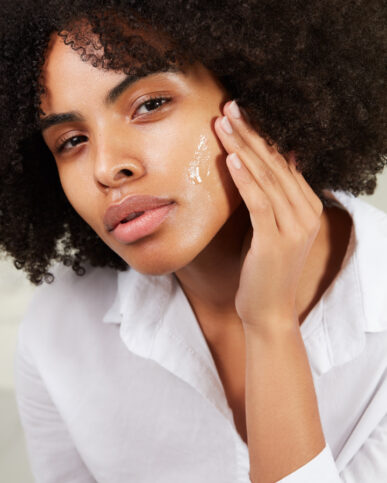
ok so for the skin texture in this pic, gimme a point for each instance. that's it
(230, 232)
(121, 136)
(309, 76)
(281, 409)
(205, 237)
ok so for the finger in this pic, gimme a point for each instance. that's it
(270, 155)
(260, 208)
(315, 201)
(283, 211)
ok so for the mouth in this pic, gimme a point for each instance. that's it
(140, 224)
(136, 216)
(130, 208)
(132, 216)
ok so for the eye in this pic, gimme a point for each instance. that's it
(69, 143)
(152, 104)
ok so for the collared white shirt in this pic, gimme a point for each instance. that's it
(115, 382)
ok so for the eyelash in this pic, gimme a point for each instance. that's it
(63, 143)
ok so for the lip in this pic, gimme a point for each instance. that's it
(144, 225)
(135, 203)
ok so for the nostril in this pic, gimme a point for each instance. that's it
(127, 172)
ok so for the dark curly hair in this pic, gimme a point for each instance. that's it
(310, 75)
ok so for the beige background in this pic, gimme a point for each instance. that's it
(15, 293)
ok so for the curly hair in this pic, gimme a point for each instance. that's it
(310, 75)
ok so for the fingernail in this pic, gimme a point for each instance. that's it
(234, 110)
(235, 161)
(226, 125)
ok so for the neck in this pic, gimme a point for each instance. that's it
(211, 280)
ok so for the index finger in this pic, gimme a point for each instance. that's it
(302, 199)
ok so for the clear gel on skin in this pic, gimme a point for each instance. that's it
(200, 161)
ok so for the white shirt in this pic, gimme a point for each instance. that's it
(115, 381)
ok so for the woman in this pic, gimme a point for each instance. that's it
(197, 164)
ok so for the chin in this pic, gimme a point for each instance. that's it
(156, 261)
(164, 252)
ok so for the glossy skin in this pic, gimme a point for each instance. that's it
(223, 251)
(172, 151)
(177, 151)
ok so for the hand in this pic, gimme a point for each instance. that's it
(285, 215)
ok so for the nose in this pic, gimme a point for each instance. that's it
(114, 164)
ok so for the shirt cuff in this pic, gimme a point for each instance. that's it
(321, 469)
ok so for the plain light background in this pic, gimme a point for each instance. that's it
(15, 293)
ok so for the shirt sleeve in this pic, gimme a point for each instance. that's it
(368, 465)
(51, 452)
(320, 469)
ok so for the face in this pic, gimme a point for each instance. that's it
(151, 137)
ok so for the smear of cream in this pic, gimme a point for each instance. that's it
(200, 162)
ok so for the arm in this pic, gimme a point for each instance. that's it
(286, 443)
(52, 454)
(282, 417)
(283, 422)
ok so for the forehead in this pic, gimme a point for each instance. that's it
(123, 47)
(76, 57)
(64, 72)
(75, 63)
(69, 78)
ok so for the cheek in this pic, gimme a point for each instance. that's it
(75, 181)
(206, 186)
(199, 166)
(206, 173)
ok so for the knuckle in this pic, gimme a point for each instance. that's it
(314, 225)
(298, 236)
(261, 204)
(320, 207)
(248, 130)
(266, 176)
(281, 162)
(238, 145)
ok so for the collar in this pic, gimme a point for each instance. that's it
(335, 330)
(367, 253)
(158, 323)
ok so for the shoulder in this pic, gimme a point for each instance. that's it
(363, 212)
(371, 222)
(369, 233)
(71, 292)
(370, 239)
(60, 308)
(370, 254)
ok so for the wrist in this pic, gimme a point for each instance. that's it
(272, 328)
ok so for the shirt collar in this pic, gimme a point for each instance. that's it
(335, 330)
(157, 321)
(367, 253)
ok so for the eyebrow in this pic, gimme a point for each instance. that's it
(129, 80)
(112, 96)
(54, 119)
